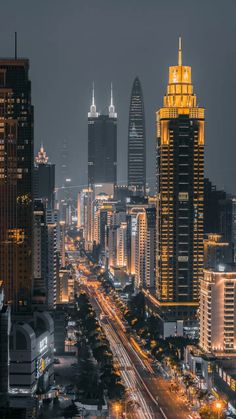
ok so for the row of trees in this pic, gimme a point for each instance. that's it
(98, 374)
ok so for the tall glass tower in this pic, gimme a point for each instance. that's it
(102, 145)
(16, 172)
(180, 198)
(136, 141)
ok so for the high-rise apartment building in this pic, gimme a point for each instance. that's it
(102, 146)
(16, 167)
(218, 310)
(180, 195)
(145, 246)
(40, 255)
(136, 141)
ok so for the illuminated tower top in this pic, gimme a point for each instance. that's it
(42, 157)
(180, 89)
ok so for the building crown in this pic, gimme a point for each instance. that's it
(180, 89)
(93, 112)
(112, 113)
(42, 157)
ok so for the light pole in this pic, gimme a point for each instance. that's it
(218, 406)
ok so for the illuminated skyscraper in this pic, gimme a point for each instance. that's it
(180, 197)
(16, 167)
(102, 146)
(136, 141)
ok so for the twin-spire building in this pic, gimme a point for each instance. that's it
(102, 147)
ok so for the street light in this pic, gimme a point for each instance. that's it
(218, 407)
(117, 409)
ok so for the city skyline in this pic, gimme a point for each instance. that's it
(117, 239)
(151, 70)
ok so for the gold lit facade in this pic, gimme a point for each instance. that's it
(180, 186)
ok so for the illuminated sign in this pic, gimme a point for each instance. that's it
(43, 344)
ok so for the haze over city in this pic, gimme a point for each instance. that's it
(74, 43)
(117, 209)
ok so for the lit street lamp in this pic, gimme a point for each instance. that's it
(218, 407)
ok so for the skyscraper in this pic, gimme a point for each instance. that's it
(102, 145)
(16, 167)
(44, 179)
(180, 197)
(136, 141)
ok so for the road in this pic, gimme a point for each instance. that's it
(148, 391)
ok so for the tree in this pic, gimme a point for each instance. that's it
(70, 411)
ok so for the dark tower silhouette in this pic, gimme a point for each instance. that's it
(102, 145)
(136, 141)
(16, 169)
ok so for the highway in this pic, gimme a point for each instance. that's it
(148, 391)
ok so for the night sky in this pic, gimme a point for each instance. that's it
(70, 43)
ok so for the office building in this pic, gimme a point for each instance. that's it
(102, 147)
(136, 141)
(44, 179)
(88, 217)
(16, 166)
(217, 251)
(180, 195)
(51, 263)
(39, 297)
(117, 245)
(145, 248)
(218, 310)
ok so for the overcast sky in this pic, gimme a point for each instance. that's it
(70, 43)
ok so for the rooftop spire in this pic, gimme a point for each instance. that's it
(93, 112)
(112, 113)
(93, 98)
(42, 157)
(180, 52)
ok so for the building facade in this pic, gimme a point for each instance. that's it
(102, 146)
(180, 195)
(44, 179)
(217, 251)
(218, 311)
(136, 141)
(16, 167)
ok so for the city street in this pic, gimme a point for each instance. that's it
(151, 393)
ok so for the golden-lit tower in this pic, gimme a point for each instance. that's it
(180, 178)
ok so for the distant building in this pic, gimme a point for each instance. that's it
(40, 255)
(117, 245)
(136, 141)
(16, 165)
(217, 252)
(218, 310)
(88, 217)
(102, 146)
(51, 263)
(44, 179)
(145, 248)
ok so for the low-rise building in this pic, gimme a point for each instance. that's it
(31, 354)
(218, 310)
